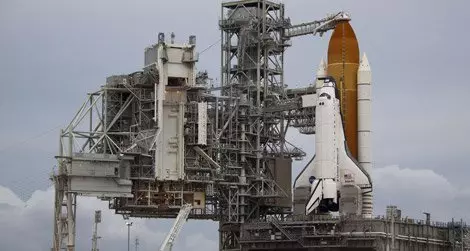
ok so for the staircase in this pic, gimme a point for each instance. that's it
(273, 220)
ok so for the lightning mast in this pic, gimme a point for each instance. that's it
(137, 243)
(95, 238)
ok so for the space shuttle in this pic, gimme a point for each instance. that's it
(333, 173)
(337, 178)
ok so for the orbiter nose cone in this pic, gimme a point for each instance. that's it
(343, 46)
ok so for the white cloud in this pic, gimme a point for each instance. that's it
(33, 221)
(413, 190)
(8, 197)
(419, 190)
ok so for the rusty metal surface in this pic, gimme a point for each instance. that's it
(343, 63)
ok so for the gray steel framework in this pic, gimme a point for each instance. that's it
(115, 125)
(346, 233)
(108, 147)
(252, 77)
(253, 120)
(243, 168)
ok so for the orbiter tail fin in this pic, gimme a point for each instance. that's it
(315, 196)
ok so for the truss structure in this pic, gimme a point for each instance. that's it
(323, 232)
(257, 112)
(154, 140)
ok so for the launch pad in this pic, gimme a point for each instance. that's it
(351, 233)
(163, 137)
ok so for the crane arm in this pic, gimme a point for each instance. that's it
(319, 26)
(183, 214)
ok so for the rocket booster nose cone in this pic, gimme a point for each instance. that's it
(321, 71)
(343, 46)
(364, 65)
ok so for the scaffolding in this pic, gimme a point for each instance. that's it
(163, 137)
(324, 232)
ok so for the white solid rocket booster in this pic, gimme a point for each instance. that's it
(364, 79)
(321, 73)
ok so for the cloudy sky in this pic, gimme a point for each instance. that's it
(53, 52)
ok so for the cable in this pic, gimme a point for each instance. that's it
(210, 46)
(30, 139)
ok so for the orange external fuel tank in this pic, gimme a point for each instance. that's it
(343, 63)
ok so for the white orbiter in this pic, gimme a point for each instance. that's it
(333, 169)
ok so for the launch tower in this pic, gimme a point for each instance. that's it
(163, 137)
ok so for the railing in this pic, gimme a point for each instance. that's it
(290, 236)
